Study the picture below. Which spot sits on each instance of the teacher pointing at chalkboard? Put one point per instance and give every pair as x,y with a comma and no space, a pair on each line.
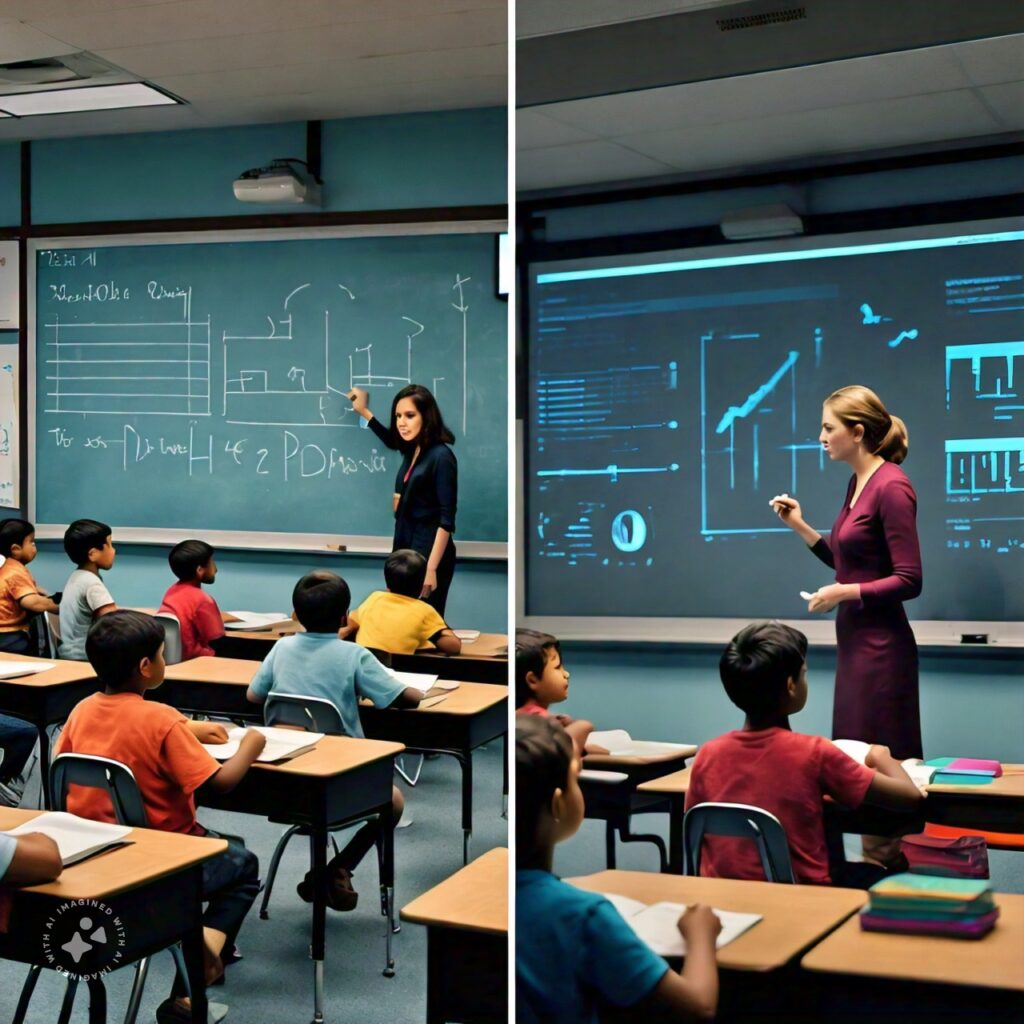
426,487
874,551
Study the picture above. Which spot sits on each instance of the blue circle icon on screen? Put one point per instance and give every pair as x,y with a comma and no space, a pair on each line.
629,531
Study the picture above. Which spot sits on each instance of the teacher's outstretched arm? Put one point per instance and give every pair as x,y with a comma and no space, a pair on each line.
361,406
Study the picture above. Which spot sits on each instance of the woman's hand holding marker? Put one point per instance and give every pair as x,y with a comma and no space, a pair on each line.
787,509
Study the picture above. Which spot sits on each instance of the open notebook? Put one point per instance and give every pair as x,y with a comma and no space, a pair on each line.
423,681
76,838
253,621
14,669
657,924
919,772
619,743
282,744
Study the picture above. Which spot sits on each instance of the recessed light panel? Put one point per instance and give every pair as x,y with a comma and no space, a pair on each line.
97,97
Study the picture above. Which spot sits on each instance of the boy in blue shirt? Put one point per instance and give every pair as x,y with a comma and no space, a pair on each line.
573,948
317,664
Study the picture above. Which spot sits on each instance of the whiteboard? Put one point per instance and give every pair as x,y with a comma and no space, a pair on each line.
10,441
9,305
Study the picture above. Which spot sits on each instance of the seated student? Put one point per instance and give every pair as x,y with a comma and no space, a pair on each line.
162,748
90,546
542,680
31,859
396,620
197,612
573,949
767,765
317,664
20,596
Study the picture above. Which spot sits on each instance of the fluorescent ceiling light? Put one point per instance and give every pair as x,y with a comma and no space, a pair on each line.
94,97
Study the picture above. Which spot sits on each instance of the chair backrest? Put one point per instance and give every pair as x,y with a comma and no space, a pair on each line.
744,821
384,657
314,714
172,637
113,777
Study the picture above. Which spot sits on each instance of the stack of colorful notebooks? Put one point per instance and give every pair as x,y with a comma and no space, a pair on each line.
964,771
930,905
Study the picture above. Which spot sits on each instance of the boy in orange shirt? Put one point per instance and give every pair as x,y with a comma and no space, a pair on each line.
396,620
162,748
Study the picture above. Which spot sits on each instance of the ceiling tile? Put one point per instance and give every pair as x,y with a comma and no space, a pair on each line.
534,130
1007,102
582,163
990,61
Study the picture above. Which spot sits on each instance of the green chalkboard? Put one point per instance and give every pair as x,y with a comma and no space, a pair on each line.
200,385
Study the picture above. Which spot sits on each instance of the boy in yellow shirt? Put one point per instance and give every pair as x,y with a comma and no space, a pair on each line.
396,620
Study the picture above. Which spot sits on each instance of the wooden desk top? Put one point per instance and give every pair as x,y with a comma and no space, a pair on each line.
467,699
152,855
612,762
996,961
334,755
675,784
63,672
475,898
794,916
233,671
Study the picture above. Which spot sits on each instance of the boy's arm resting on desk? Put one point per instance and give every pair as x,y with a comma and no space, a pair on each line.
447,642
37,603
892,787
693,991
578,731
36,860
233,770
408,698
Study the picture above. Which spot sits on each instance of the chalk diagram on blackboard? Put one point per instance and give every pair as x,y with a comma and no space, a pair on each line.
756,440
157,367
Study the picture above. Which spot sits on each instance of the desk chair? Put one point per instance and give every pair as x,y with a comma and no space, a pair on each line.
118,782
744,821
172,637
315,714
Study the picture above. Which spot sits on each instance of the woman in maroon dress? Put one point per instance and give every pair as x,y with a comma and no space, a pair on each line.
874,551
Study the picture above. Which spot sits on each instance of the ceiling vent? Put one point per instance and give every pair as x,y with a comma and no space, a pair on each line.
73,69
762,20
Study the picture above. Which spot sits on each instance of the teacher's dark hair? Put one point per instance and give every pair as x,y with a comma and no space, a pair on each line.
433,431
544,753
884,434
758,663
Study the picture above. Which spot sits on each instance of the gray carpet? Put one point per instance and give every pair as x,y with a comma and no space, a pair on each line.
274,983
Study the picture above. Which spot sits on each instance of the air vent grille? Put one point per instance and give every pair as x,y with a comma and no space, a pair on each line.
762,20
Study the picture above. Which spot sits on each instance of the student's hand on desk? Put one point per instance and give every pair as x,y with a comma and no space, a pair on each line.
252,744
429,583
209,732
697,921
877,756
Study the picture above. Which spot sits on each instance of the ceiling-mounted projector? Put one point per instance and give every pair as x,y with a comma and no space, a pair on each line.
281,182
762,222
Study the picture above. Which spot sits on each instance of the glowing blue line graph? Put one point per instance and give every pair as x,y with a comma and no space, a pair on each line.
612,472
975,354
993,465
756,397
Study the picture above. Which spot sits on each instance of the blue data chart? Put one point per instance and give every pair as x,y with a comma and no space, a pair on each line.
672,395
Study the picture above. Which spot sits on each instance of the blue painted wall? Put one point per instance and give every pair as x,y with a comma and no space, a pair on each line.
450,158
10,184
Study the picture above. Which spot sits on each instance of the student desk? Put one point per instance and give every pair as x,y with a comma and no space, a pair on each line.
467,942
160,870
485,660
615,802
764,958
46,699
874,976
470,716
340,778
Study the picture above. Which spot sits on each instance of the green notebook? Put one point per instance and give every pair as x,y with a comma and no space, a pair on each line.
930,887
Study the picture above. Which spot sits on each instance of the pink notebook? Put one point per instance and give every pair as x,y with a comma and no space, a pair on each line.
968,928
967,766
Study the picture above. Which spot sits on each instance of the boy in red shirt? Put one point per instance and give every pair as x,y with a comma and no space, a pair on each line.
197,613
767,765
162,748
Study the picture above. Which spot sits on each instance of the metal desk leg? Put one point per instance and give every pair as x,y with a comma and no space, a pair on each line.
192,951
97,1001
318,859
467,803
675,837
44,765
387,883
504,775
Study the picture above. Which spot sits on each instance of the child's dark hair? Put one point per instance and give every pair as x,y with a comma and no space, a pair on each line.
82,536
531,656
118,641
14,531
433,430
543,755
758,662
188,557
321,601
405,571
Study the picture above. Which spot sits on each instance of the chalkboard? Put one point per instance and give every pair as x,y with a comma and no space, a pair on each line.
201,385
671,395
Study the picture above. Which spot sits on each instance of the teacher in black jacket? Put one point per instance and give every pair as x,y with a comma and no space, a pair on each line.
427,484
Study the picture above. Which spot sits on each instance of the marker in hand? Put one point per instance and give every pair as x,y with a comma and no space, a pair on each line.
805,595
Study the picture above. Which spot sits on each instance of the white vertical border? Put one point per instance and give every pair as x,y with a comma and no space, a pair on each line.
9,350
9,294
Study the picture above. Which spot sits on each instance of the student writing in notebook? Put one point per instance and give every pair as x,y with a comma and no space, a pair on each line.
89,544
767,765
542,680
317,664
395,619
197,613
162,748
574,951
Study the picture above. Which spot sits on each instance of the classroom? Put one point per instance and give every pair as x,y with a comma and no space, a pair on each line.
756,240
254,328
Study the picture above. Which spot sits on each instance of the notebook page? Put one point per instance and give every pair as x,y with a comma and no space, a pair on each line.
75,837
